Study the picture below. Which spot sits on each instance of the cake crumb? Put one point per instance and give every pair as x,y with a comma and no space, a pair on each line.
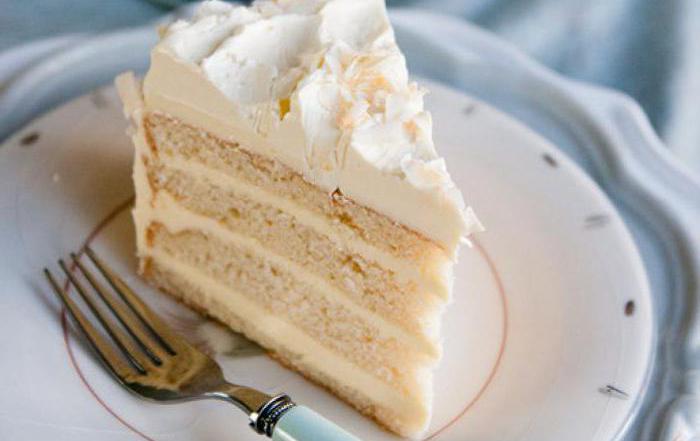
29,139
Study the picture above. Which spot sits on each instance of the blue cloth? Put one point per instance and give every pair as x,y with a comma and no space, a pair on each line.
649,49
24,20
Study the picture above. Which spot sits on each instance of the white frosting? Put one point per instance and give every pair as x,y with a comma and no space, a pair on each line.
167,212
413,409
322,86
433,278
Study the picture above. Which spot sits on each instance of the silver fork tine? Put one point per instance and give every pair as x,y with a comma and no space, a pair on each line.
150,320
103,349
119,311
189,374
126,347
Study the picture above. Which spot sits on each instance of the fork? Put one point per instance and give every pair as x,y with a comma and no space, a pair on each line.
155,363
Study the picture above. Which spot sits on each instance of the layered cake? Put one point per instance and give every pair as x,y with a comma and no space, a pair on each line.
288,186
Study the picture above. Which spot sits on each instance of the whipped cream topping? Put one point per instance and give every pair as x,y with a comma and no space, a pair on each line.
323,85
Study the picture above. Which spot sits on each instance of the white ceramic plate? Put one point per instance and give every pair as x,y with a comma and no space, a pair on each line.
549,338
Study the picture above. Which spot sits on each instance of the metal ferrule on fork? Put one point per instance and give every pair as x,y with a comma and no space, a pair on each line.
154,362
264,420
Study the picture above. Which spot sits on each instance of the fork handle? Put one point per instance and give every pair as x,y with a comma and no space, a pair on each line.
303,424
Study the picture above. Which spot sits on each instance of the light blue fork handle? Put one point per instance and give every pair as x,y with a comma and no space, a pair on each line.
303,424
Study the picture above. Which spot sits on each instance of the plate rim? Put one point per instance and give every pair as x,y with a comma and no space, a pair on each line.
634,165
573,170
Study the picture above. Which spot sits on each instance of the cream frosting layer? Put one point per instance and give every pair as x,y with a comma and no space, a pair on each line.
166,211
132,99
435,279
414,411
321,86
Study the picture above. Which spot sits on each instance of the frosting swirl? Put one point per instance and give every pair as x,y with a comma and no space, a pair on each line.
331,72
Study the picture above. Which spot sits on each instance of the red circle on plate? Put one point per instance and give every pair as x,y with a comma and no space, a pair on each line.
124,205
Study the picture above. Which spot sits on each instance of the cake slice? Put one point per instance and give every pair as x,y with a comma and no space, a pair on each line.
288,186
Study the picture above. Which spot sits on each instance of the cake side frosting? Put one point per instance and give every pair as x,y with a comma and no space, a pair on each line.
322,86
400,399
